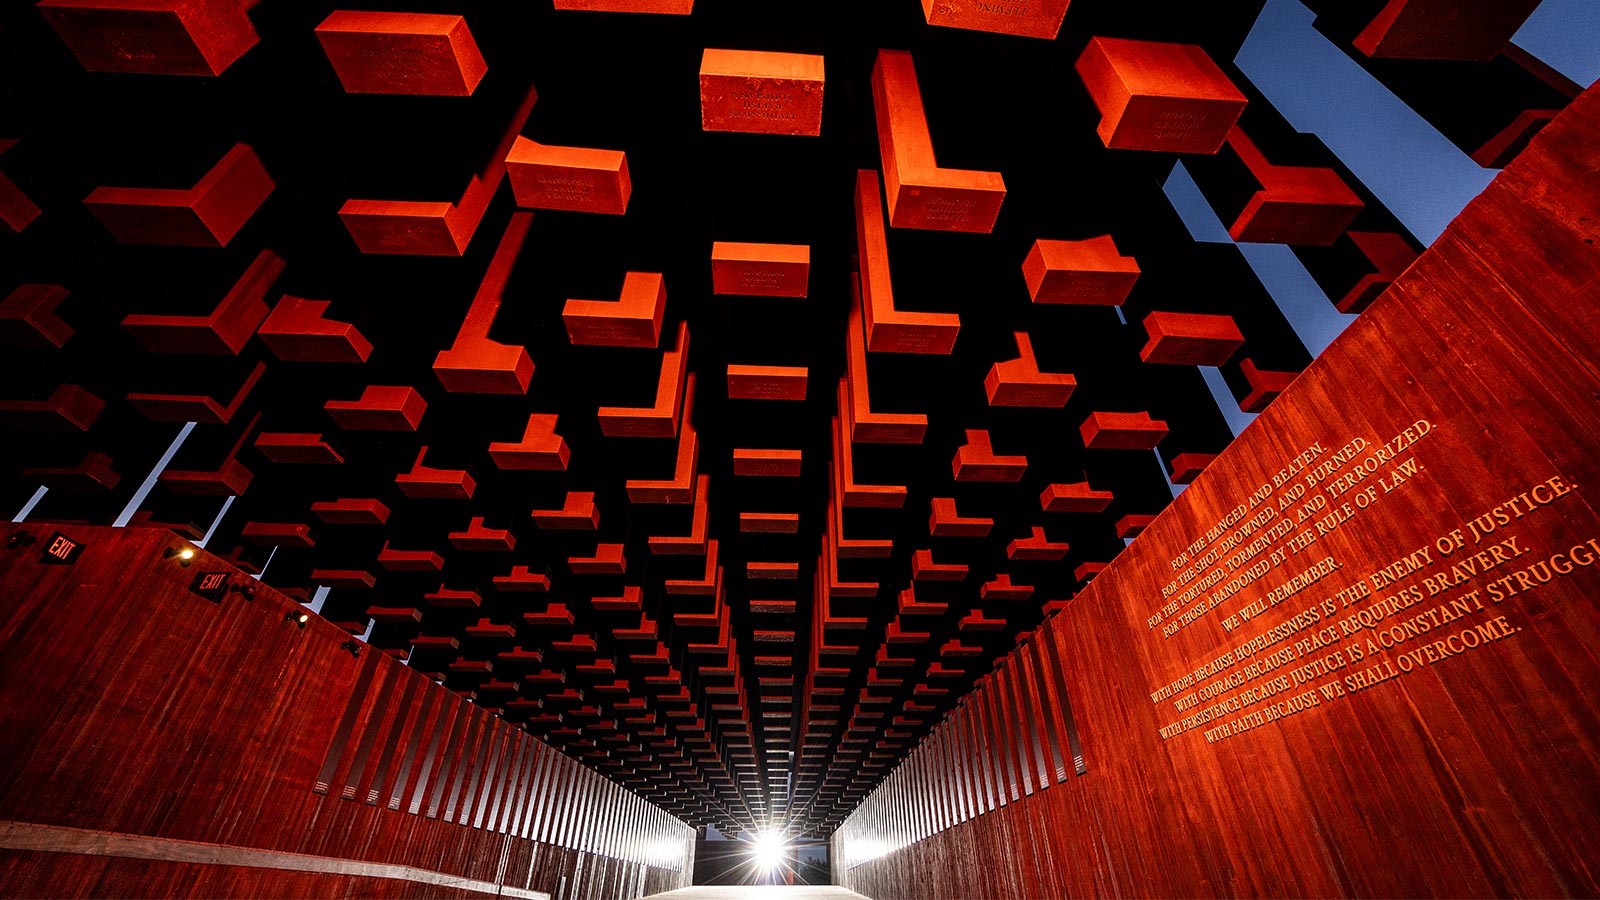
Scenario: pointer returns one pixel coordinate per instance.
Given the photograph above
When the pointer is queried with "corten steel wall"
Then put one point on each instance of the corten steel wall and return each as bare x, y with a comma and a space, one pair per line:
150, 729
1405, 705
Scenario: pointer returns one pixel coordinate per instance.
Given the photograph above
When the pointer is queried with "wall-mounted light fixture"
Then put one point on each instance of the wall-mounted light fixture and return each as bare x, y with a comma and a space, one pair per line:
184, 555
247, 589
298, 617
353, 645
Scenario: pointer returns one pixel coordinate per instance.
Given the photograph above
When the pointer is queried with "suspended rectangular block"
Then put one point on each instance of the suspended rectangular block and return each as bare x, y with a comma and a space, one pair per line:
381, 408
767, 382
632, 320
769, 523
1186, 467
660, 7
1075, 498
68, 408
1170, 98
1473, 30
1087, 273
921, 194
1122, 431
760, 270
1018, 382
28, 318
153, 37
402, 53
761, 92
226, 329
576, 179
296, 331
351, 512
767, 463
299, 449
206, 215
1024, 18
1190, 339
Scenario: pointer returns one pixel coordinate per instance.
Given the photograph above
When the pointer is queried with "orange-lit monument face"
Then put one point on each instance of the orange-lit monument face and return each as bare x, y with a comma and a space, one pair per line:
761, 92
776, 417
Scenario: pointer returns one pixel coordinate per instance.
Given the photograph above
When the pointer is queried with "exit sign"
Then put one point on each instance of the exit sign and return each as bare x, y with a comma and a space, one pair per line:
210, 585
61, 550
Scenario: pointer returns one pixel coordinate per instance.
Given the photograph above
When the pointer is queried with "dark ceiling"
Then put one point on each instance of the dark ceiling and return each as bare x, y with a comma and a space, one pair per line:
790, 713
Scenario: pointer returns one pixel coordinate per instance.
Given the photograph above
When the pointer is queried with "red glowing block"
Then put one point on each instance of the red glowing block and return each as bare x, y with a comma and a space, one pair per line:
660, 420
1087, 571
1024, 18
1388, 255
760, 270
1018, 382
433, 228
761, 92
577, 179
607, 560
769, 523
300, 449
1001, 588
28, 318
877, 496
976, 461
1443, 29
206, 215
1296, 204
153, 37
1083, 273
474, 364
923, 568
540, 448
441, 484
693, 544
577, 513
767, 382
343, 578
16, 210
659, 7
1265, 386
279, 534
1035, 548
195, 407
1164, 97
680, 487
93, 473
855, 406
477, 538
1122, 431
946, 522
1133, 524
1074, 498
409, 560
772, 571
633, 320
522, 580
453, 599
767, 463
888, 329
922, 195
223, 332
351, 512
1186, 467
402, 53
296, 331
68, 408
1190, 339
381, 408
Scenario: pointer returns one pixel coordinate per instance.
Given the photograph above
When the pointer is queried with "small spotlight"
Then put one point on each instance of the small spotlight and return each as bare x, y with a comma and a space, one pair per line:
297, 617
353, 645
248, 590
184, 555
20, 539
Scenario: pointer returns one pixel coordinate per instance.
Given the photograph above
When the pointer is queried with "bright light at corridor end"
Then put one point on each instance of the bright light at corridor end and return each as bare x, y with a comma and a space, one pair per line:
768, 850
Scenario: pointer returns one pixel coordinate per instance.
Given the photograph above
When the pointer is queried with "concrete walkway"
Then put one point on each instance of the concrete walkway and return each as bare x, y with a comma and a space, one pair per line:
759, 892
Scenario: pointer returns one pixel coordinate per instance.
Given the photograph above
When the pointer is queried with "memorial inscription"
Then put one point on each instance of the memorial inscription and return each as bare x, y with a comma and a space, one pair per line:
1325, 633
